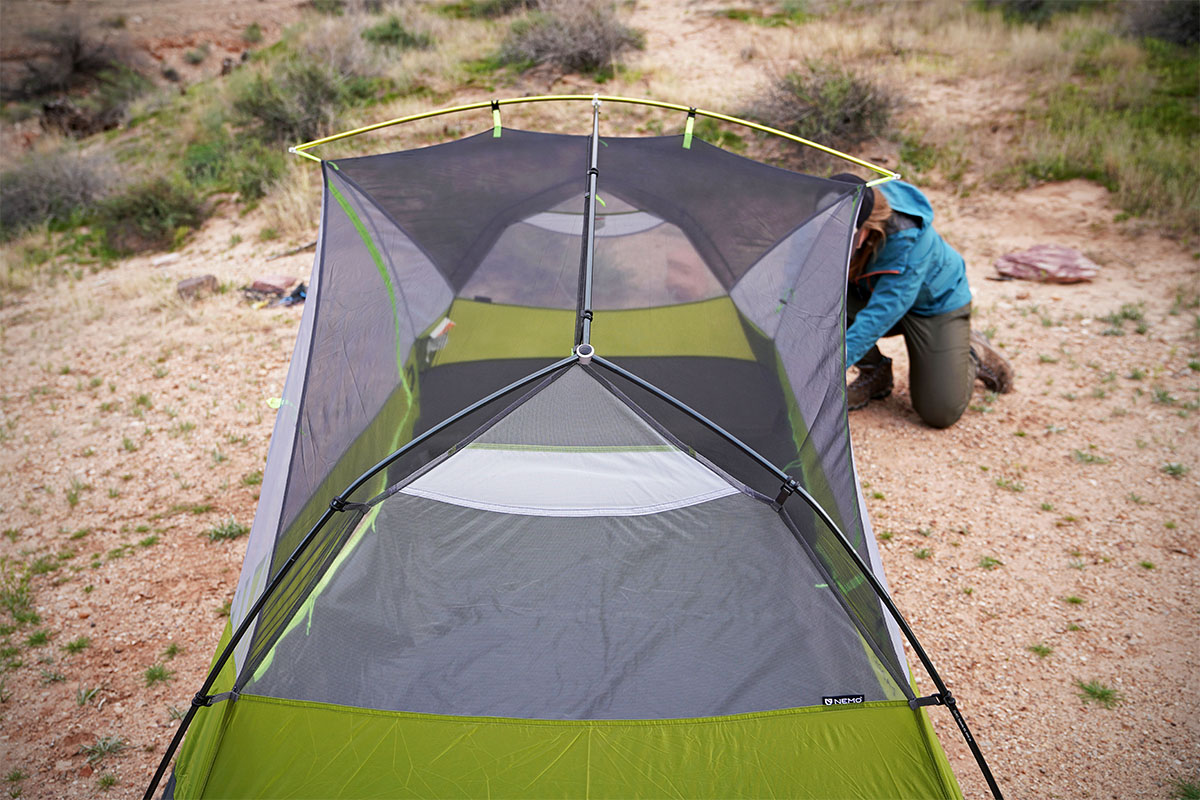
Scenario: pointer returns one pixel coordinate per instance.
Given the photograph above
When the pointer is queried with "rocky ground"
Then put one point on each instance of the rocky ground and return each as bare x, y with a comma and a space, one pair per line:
1046, 541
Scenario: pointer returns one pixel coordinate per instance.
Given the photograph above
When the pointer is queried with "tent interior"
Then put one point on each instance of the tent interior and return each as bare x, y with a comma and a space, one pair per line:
587, 584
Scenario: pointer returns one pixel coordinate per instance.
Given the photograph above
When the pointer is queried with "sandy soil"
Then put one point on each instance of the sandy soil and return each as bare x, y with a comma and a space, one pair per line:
1062, 482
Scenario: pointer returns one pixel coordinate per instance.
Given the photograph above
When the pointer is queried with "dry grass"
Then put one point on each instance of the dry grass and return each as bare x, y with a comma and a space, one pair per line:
293, 204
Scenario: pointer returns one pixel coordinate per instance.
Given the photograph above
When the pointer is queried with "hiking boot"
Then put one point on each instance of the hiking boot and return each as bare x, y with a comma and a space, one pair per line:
990, 367
874, 382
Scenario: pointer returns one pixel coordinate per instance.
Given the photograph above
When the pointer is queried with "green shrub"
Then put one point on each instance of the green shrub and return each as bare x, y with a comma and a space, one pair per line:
253, 33
158, 674
828, 104
70, 56
15, 596
1035, 12
148, 215
1175, 21
49, 189
572, 35
254, 168
391, 33
229, 529
224, 164
301, 102
333, 8
197, 55
336, 8
486, 9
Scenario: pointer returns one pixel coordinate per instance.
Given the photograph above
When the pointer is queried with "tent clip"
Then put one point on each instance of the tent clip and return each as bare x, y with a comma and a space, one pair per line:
935, 699
496, 119
687, 131
338, 504
787, 490
205, 700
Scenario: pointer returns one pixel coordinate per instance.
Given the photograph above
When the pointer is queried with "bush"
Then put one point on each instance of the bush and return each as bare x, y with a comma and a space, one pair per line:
827, 104
392, 34
334, 8
302, 101
223, 164
297, 106
148, 216
1034, 12
229, 529
253, 169
253, 33
1175, 21
486, 9
573, 35
338, 45
49, 189
71, 57
197, 55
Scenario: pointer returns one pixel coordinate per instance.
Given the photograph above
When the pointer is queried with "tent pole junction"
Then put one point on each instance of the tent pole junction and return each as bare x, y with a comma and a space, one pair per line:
792, 486
885, 175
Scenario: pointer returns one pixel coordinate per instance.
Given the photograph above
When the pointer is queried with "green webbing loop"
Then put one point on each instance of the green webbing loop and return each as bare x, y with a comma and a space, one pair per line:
687, 131
495, 119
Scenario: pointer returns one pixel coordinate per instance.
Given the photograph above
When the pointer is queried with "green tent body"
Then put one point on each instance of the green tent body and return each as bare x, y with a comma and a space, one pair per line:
576, 578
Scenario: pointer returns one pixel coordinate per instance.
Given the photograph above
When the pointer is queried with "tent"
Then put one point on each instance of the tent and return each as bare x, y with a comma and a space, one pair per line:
560, 500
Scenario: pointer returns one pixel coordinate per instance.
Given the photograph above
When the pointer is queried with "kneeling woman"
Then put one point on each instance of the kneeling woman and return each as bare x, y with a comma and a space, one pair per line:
905, 280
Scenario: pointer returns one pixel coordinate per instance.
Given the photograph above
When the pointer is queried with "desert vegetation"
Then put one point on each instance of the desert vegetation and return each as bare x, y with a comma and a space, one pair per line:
1106, 93
1052, 556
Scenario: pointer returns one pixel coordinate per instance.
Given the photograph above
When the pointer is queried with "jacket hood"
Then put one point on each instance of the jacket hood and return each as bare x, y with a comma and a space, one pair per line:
907, 199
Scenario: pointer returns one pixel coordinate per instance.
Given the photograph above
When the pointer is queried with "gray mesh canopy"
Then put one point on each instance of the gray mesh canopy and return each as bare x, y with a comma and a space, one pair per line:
571, 550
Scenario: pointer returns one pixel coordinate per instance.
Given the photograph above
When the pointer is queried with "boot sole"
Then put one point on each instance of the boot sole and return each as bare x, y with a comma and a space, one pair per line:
877, 396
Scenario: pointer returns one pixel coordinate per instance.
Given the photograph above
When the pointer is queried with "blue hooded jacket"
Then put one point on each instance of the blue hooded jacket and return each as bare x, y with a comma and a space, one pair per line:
916, 272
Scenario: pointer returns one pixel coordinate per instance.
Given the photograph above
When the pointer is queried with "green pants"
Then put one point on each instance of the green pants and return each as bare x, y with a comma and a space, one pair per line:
941, 372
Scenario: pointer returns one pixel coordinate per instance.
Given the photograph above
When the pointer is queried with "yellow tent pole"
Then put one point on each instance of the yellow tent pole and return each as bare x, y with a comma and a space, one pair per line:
303, 154
886, 174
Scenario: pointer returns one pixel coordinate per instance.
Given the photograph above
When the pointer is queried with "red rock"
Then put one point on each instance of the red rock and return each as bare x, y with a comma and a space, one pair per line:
275, 284
1049, 263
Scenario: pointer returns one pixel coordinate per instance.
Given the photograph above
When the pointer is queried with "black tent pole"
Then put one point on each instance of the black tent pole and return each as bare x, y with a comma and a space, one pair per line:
583, 323
791, 486
338, 503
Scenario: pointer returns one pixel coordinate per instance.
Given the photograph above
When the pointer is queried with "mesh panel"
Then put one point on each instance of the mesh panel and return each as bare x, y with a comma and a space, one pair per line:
708, 610
810, 345
733, 210
497, 222
295, 588
378, 293
742, 396
572, 412
457, 199
573, 449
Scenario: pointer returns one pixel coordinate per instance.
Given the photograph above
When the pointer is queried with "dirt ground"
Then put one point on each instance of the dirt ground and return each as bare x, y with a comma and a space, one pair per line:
163, 29
132, 422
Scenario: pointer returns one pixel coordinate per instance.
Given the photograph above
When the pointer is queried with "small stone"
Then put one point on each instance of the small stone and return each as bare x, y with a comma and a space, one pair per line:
195, 288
